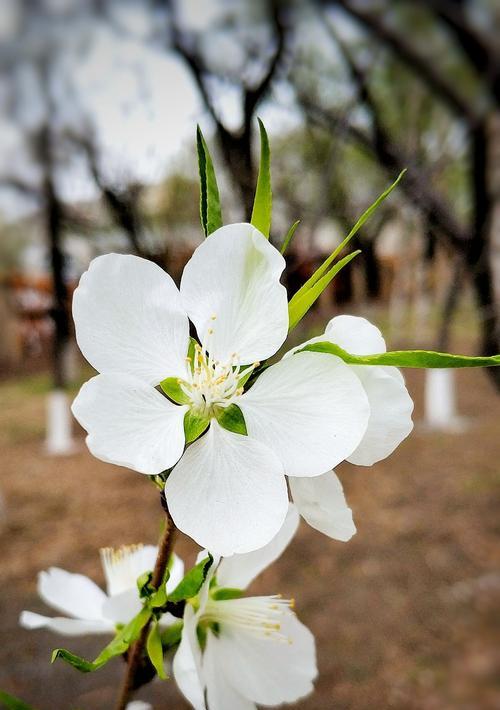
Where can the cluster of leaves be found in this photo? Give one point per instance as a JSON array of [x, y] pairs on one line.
[[156, 602]]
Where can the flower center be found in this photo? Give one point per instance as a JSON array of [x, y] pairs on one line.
[[211, 383], [259, 616]]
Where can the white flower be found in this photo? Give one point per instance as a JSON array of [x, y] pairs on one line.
[[255, 651], [89, 608], [320, 500], [303, 415]]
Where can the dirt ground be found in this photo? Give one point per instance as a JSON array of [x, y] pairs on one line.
[[405, 615]]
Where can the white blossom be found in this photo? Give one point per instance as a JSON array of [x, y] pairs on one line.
[[303, 415], [87, 608], [253, 649]]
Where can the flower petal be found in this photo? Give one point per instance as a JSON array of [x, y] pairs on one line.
[[390, 414], [228, 492], [267, 672], [356, 335], [130, 423], [122, 607], [321, 502], [123, 566], [234, 275], [187, 662], [310, 409], [129, 318], [73, 594], [220, 694], [65, 627], [240, 570]]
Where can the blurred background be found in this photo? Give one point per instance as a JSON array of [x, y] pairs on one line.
[[99, 102]]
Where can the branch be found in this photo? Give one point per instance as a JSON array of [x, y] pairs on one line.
[[417, 62], [253, 96], [136, 651], [392, 157]]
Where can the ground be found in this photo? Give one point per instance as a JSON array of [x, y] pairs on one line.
[[405, 615]]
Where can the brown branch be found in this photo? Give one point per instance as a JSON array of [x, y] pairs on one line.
[[136, 651], [417, 62]]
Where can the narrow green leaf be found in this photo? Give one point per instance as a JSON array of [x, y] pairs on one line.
[[289, 237], [263, 202], [210, 211], [171, 636], [360, 222], [116, 647], [227, 593], [154, 650], [194, 426], [172, 388], [406, 358], [231, 418], [301, 303], [9, 702], [190, 585]]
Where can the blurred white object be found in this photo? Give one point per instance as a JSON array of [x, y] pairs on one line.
[[440, 401], [59, 440], [139, 705]]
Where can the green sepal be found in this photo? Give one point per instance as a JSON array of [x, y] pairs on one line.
[[263, 201], [231, 418], [289, 237], [171, 636], [360, 222], [301, 303], [172, 388], [405, 358], [154, 649], [194, 426], [9, 702], [143, 583], [210, 211], [227, 593], [127, 635], [191, 352], [191, 584]]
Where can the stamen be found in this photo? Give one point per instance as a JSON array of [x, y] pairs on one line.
[[259, 616]]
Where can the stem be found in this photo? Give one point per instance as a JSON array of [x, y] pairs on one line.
[[136, 650]]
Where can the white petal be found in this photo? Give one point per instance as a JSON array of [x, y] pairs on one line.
[[220, 694], [129, 318], [228, 492], [176, 573], [73, 594], [65, 627], [240, 570], [310, 409], [122, 566], [234, 275], [356, 335], [390, 414], [187, 662], [122, 607], [130, 424], [267, 671], [321, 502]]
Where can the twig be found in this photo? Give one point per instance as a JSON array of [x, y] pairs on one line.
[[136, 650]]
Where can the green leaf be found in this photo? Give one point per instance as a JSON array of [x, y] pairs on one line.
[[9, 702], [194, 426], [231, 418], [289, 237], [171, 636], [405, 358], [227, 593], [210, 212], [172, 388], [360, 222], [116, 647], [263, 202], [190, 585], [154, 650], [301, 303]]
